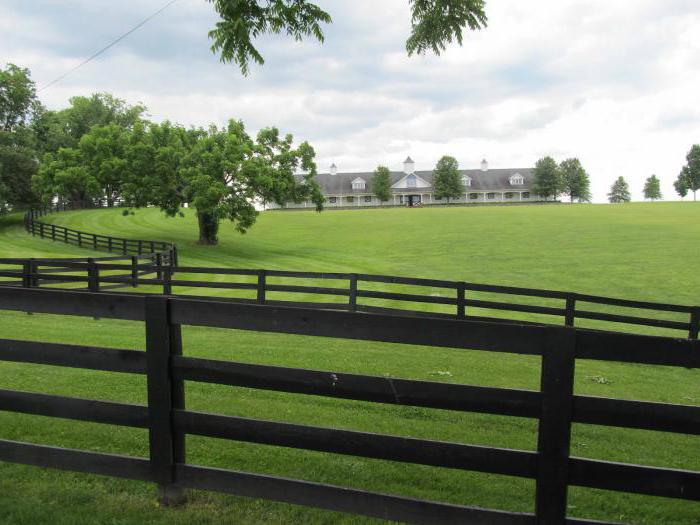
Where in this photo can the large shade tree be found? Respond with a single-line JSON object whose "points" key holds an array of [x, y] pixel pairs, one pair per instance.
{"points": [[381, 184], [446, 181], [652, 188], [434, 24], [575, 182], [547, 180]]}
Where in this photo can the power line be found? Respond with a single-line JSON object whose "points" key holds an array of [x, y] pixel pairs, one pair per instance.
{"points": [[113, 43]]}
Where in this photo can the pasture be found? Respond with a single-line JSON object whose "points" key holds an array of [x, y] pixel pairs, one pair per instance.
{"points": [[639, 251]]}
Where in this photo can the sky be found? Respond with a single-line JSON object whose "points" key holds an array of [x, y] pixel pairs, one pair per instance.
{"points": [[615, 83]]}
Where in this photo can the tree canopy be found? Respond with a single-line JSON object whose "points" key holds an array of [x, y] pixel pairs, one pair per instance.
{"points": [[575, 181], [381, 183], [434, 24], [620, 191], [689, 177], [446, 181], [547, 178], [652, 188]]}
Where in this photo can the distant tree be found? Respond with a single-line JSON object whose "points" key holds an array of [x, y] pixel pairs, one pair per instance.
{"points": [[652, 188], [65, 174], [433, 25], [575, 181], [690, 174], [381, 183], [681, 185], [547, 178], [446, 180], [620, 191]]}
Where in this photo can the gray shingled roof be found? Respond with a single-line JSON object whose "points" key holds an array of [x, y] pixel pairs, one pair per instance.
{"points": [[491, 180]]}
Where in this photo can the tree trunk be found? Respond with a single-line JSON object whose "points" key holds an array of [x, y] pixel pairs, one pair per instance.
{"points": [[208, 228]]}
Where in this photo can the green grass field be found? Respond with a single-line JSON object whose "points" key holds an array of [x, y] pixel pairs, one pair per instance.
{"points": [[636, 251]]}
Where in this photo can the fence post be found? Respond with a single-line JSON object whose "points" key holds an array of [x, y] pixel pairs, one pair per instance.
{"points": [[93, 276], [554, 433], [134, 270], [570, 316], [163, 340], [80, 239], [694, 324], [94, 241], [124, 246], [109, 244], [65, 235], [41, 230], [159, 265], [352, 298], [140, 247], [167, 287], [33, 279], [173, 260], [26, 277], [262, 281], [53, 232], [461, 296]]}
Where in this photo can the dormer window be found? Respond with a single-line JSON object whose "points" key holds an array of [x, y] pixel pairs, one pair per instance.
{"points": [[467, 180], [359, 184], [411, 181], [517, 180]]}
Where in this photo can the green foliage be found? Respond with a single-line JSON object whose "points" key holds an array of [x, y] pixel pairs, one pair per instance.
{"points": [[689, 177], [575, 181], [434, 24], [620, 191], [446, 180], [17, 97], [681, 185], [381, 183], [18, 163], [547, 178], [242, 21], [652, 188]]}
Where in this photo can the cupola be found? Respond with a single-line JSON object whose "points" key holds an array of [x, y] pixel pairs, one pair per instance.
{"points": [[409, 166]]}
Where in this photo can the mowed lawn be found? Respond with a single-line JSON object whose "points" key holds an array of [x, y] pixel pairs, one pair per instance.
{"points": [[636, 251]]}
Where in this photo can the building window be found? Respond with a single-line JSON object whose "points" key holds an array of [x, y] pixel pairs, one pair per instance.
{"points": [[438, 198], [473, 196], [509, 195], [351, 199], [358, 185], [400, 199], [517, 180], [332, 200], [368, 198], [526, 195], [411, 181], [491, 196], [466, 180]]}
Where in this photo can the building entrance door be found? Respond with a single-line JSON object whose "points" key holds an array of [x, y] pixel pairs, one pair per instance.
{"points": [[414, 200]]}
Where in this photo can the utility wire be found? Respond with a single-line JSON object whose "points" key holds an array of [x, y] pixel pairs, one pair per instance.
{"points": [[112, 43]]}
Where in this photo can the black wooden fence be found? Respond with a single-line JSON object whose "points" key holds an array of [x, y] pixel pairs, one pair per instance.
{"points": [[555, 406], [167, 252], [351, 292]]}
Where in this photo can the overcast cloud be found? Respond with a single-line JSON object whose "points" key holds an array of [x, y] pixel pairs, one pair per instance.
{"points": [[613, 82]]}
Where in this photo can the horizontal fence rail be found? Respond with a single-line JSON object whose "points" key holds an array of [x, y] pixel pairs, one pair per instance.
{"points": [[347, 292], [554, 405]]}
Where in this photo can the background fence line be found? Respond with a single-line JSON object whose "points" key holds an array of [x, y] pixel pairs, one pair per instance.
{"points": [[554, 406]]}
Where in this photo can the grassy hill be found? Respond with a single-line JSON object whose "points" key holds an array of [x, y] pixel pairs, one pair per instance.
{"points": [[639, 251]]}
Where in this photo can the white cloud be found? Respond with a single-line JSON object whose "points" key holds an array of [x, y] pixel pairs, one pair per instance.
{"points": [[613, 82]]}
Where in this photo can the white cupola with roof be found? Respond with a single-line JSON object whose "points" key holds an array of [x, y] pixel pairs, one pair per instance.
{"points": [[334, 169], [409, 166], [484, 165]]}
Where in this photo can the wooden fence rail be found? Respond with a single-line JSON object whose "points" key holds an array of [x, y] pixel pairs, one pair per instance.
{"points": [[149, 270], [555, 406]]}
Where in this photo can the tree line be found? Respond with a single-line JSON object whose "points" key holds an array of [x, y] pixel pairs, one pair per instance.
{"points": [[101, 151]]}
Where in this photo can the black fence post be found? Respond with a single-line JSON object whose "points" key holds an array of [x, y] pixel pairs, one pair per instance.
{"points": [[554, 434], [140, 247], [162, 341], [94, 241], [41, 230], [109, 244], [93, 276], [80, 239], [173, 260], [570, 317], [262, 282], [65, 235], [461, 296], [53, 232], [33, 279], [694, 324], [26, 274], [167, 286], [352, 298], [124, 246], [134, 271]]}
